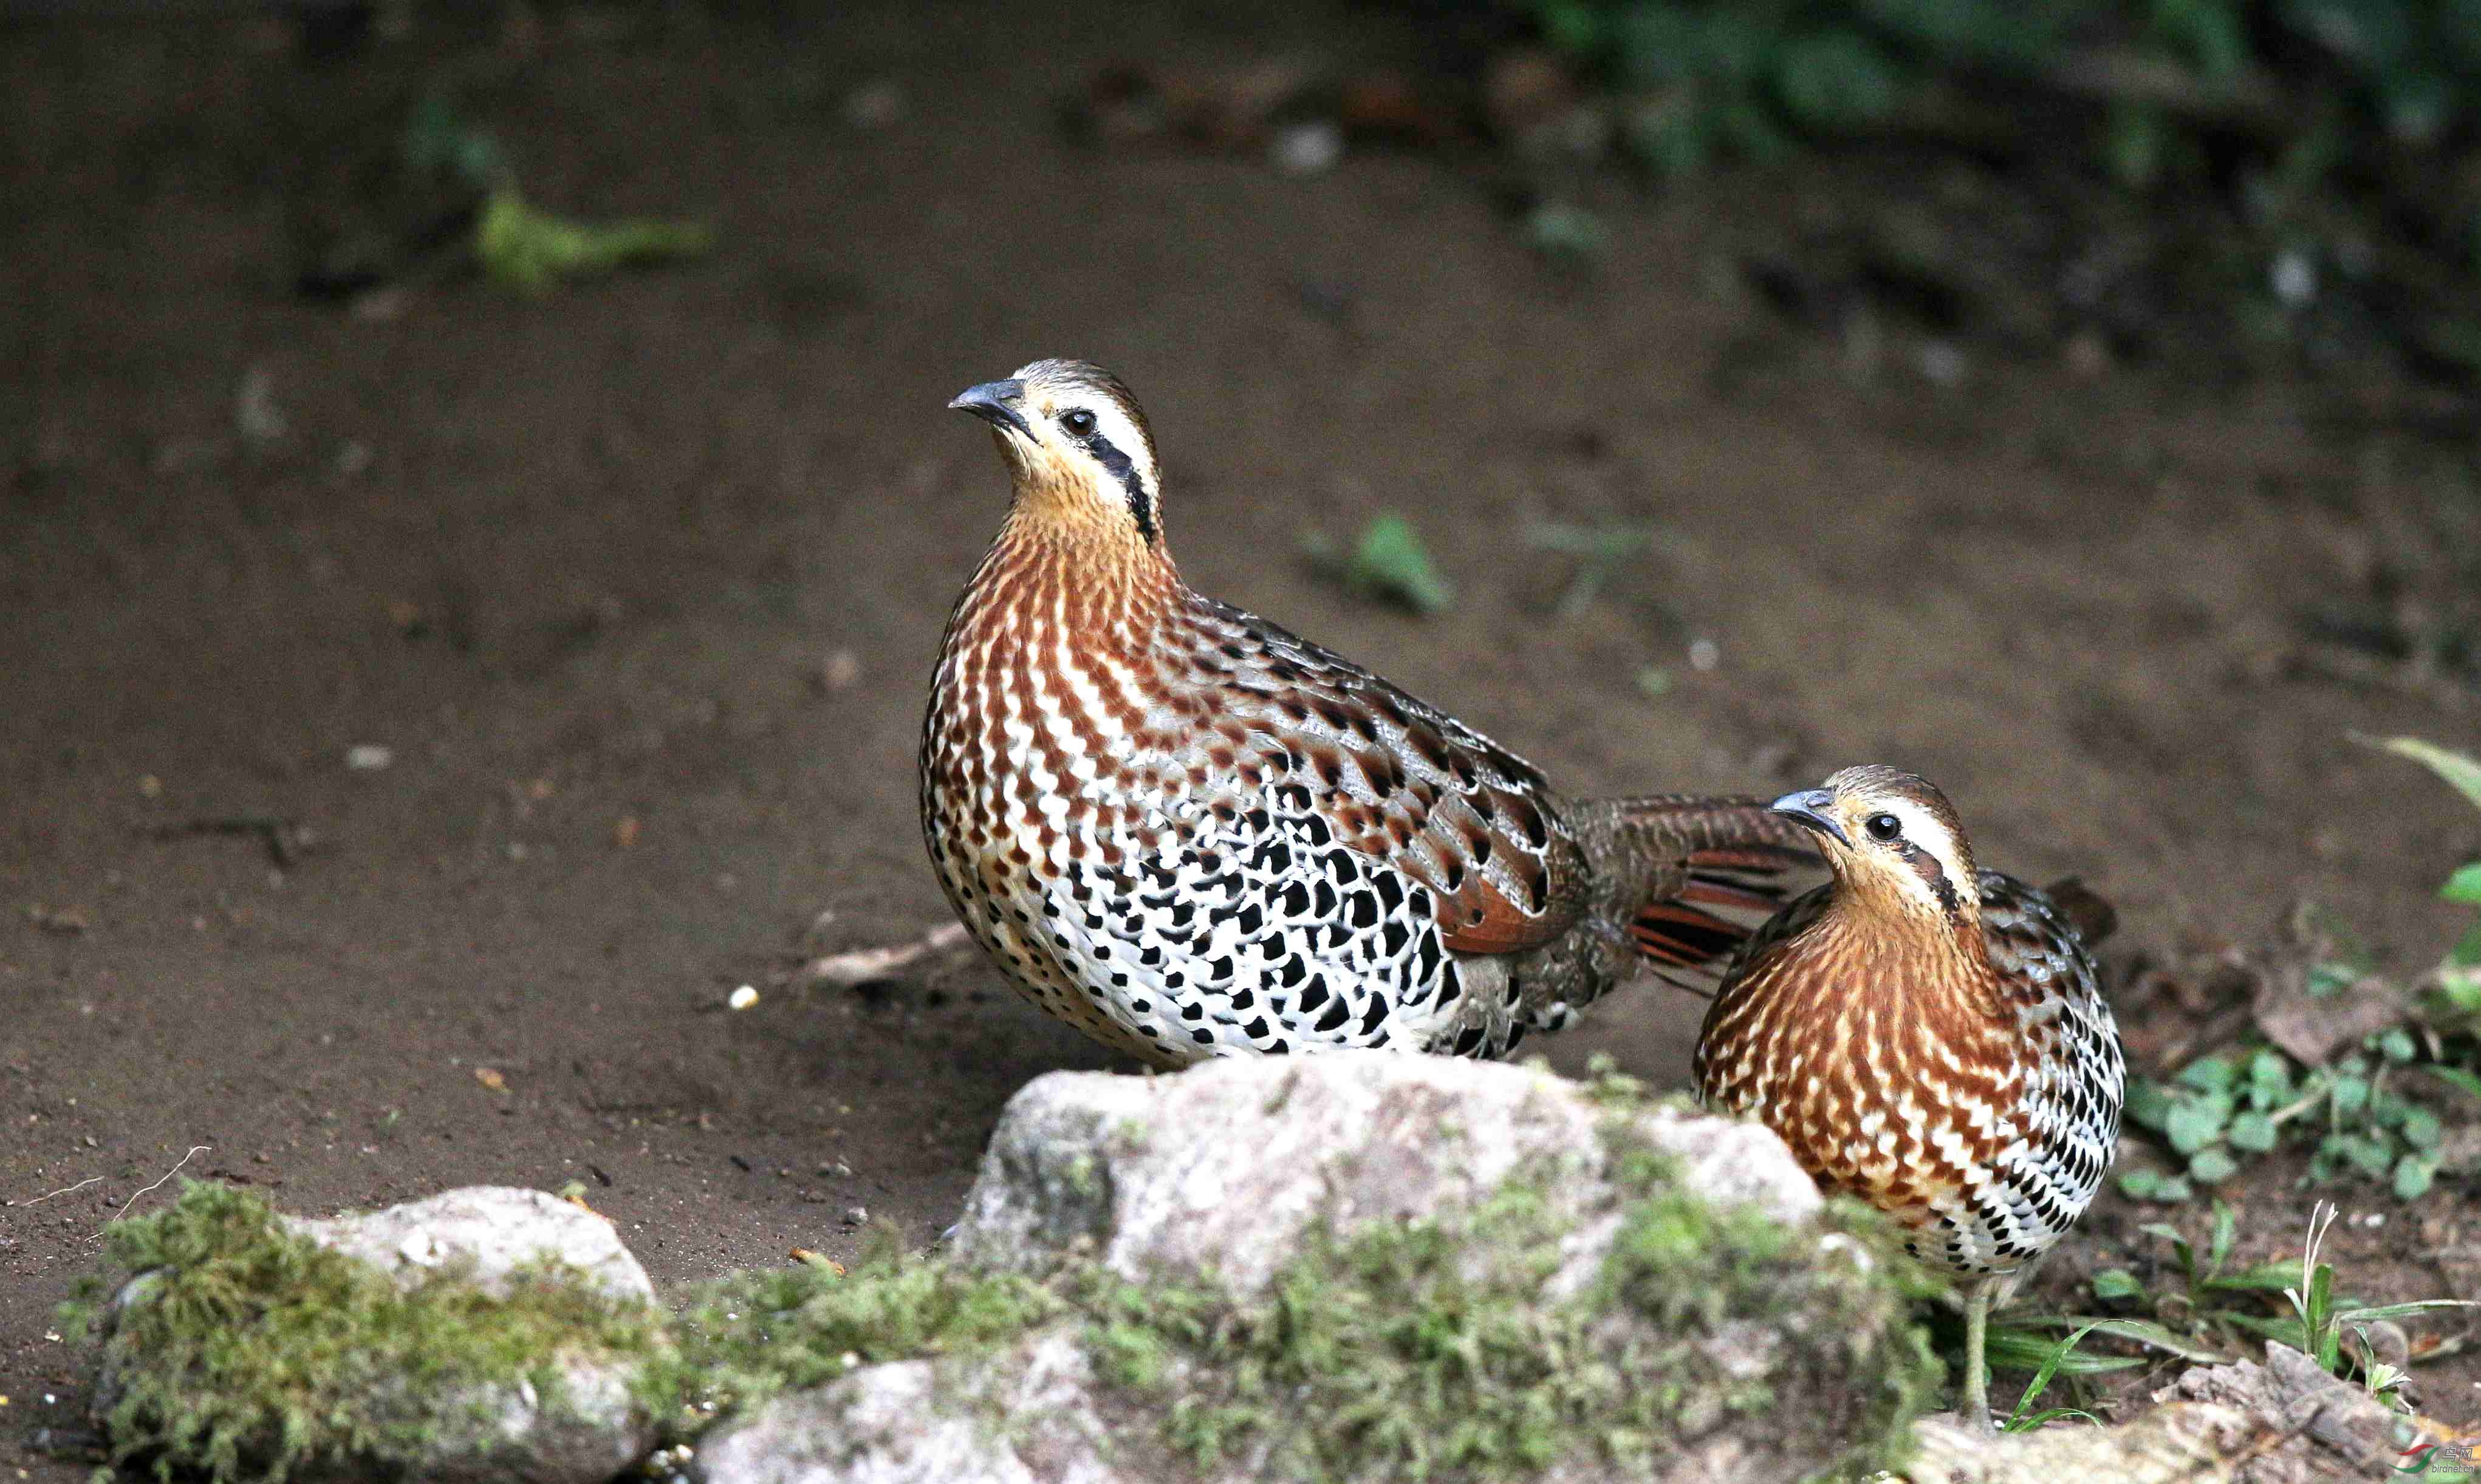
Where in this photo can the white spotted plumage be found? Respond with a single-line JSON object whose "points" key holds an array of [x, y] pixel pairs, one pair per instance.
{"points": [[1189, 833]]}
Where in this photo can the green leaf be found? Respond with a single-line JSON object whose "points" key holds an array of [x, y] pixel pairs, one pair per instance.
{"points": [[2212, 1166], [2370, 1156], [2375, 1313], [2197, 1122], [2209, 1074], [1569, 234], [1572, 26], [1834, 80], [532, 250], [2139, 137], [2020, 1417], [2035, 1421], [2397, 1045], [2211, 38], [2413, 1176], [1390, 563], [2254, 1133], [2144, 1332], [2226, 1230], [2456, 1076], [2011, 1348], [2351, 1094], [2327, 980], [2464, 886], [2148, 1103], [2458, 769], [2318, 1318], [2264, 1326], [2421, 1129], [2152, 1185], [2271, 1277], [2116, 1283], [2270, 1083]]}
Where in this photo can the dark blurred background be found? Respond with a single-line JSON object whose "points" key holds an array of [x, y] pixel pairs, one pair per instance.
{"points": [[476, 516]]}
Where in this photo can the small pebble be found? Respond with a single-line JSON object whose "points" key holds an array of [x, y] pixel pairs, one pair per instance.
{"points": [[856, 1215], [1308, 148], [874, 105], [1704, 653], [368, 757], [1942, 363], [743, 997], [840, 671], [2293, 277]]}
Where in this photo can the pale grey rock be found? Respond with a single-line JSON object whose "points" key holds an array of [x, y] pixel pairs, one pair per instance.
{"points": [[1218, 1172], [1216, 1176], [492, 1230], [1026, 1416]]}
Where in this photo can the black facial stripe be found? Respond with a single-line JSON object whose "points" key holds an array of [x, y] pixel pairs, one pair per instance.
{"points": [[1122, 468], [1925, 865]]}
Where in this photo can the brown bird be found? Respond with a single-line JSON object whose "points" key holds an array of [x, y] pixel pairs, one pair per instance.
{"points": [[1925, 1036], [1190, 834]]}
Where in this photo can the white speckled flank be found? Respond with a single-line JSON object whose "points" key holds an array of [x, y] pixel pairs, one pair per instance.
{"points": [[1189, 833]]}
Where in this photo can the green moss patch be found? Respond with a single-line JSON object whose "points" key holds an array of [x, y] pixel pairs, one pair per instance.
{"points": [[1426, 1350], [254, 1351], [742, 1338], [1422, 1350]]}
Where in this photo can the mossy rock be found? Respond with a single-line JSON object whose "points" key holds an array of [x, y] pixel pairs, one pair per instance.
{"points": [[1550, 1280], [245, 1347]]}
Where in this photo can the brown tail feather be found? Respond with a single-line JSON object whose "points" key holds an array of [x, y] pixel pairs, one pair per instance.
{"points": [[1738, 853]]}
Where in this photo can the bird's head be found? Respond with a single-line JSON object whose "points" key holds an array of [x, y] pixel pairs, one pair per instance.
{"points": [[1892, 841], [1076, 445]]}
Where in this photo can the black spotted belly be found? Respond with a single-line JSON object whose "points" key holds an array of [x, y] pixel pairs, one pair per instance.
{"points": [[1268, 936]]}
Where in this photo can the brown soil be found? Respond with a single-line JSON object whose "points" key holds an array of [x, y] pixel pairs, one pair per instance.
{"points": [[581, 563]]}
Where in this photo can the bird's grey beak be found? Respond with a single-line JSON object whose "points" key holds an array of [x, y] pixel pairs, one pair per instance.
{"points": [[1808, 807], [995, 403]]}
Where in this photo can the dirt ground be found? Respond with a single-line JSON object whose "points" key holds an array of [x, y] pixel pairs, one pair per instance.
{"points": [[586, 567]]}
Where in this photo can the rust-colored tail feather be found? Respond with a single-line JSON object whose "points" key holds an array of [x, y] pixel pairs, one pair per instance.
{"points": [[1738, 853]]}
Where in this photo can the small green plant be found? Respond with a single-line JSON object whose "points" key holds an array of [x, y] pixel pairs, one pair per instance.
{"points": [[1388, 563], [2222, 1110], [532, 250], [1601, 553], [2323, 1319], [522, 245], [1567, 235], [2454, 1006], [2024, 1419], [2218, 1307]]}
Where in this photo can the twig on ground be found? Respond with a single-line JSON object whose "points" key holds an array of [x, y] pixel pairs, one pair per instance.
{"points": [[195, 1149], [286, 842], [63, 1190], [863, 966]]}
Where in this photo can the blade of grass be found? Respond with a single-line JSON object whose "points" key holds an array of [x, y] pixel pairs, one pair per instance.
{"points": [[2460, 770], [2144, 1332], [2018, 1418]]}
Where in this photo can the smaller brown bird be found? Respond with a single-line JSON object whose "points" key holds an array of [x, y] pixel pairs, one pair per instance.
{"points": [[1927, 1037]]}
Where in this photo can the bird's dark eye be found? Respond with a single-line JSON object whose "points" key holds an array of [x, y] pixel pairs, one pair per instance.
{"points": [[1883, 827], [1078, 421]]}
